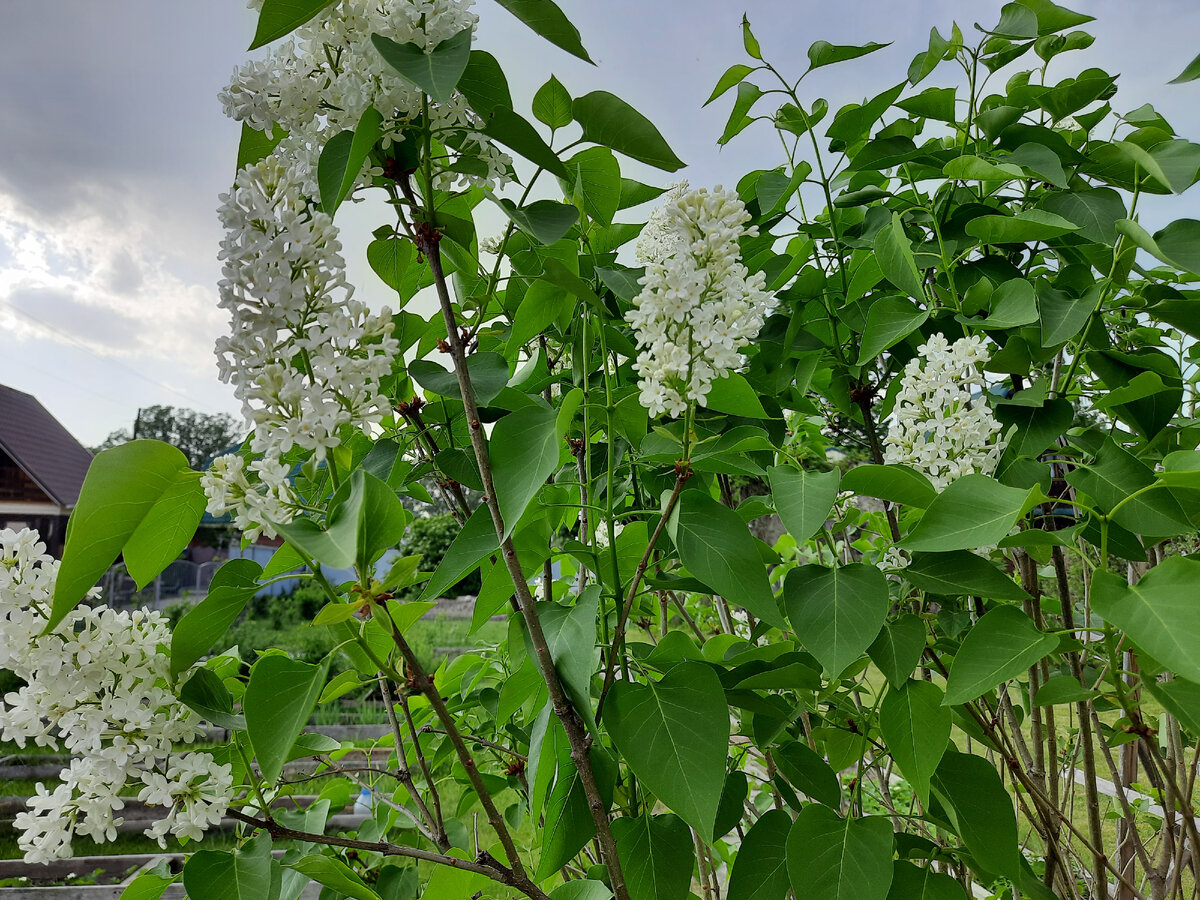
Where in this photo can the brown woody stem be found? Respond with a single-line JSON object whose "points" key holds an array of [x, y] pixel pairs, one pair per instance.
{"points": [[573, 725]]}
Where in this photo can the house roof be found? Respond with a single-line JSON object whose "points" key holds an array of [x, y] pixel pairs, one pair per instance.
{"points": [[42, 447]]}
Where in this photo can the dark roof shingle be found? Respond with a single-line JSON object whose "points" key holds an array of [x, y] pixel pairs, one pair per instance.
{"points": [[41, 446]]}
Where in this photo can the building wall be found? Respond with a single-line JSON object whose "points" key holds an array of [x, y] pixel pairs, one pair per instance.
{"points": [[15, 485], [24, 505]]}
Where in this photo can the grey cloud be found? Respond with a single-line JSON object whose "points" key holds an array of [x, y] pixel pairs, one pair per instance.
{"points": [[64, 313], [121, 274], [111, 108]]}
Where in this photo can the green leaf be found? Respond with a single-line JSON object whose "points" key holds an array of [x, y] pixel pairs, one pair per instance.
{"points": [[1095, 210], [333, 874], [546, 221], [773, 187], [542, 304], [390, 259], [916, 729], [568, 819], [611, 122], [369, 520], [911, 882], [1062, 316], [570, 633], [526, 446], [749, 41], [488, 372], [557, 273], [207, 695], [1002, 645], [1181, 698], [475, 542], [1180, 242], [581, 889], [279, 18], [597, 182], [961, 572], [792, 118], [808, 772], [552, 104], [201, 626], [341, 684], [342, 159], [853, 122], [924, 63], [748, 94], [484, 85], [732, 76], [732, 394], [506, 127], [255, 145], [285, 559], [1191, 73], [1115, 479], [831, 858], [546, 737], [981, 811], [151, 884], [896, 483], [337, 611], [1179, 161], [889, 320], [546, 19], [1044, 162], [716, 547], [280, 696], [1013, 304], [1037, 427], [1062, 689], [242, 874], [1030, 225], [1016, 21], [674, 734], [1159, 613], [803, 499], [836, 613], [167, 529], [1052, 18], [972, 168], [657, 855], [898, 648], [974, 511], [1073, 94], [931, 103], [895, 257], [448, 883], [760, 870], [122, 487], [733, 795], [823, 53], [436, 72]]}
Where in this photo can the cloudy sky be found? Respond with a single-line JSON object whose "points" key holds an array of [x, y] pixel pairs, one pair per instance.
{"points": [[113, 149]]}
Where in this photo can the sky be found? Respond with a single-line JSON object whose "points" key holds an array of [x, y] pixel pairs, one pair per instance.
{"points": [[113, 150]]}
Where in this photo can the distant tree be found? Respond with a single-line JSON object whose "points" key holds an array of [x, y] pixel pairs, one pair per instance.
{"points": [[200, 436]]}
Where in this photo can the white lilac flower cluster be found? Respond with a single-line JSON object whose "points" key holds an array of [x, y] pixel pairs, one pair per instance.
{"points": [[698, 306], [96, 687], [258, 495], [304, 357], [942, 425], [329, 72]]}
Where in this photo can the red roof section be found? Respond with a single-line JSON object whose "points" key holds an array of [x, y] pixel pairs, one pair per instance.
{"points": [[41, 446]]}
